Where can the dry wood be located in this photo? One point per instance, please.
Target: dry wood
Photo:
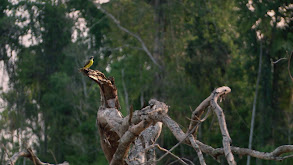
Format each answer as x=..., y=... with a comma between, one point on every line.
x=274, y=155
x=129, y=139
x=28, y=153
x=117, y=133
x=197, y=149
x=197, y=113
x=167, y=151
x=222, y=122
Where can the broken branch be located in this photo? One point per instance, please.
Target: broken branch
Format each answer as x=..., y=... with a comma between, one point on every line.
x=28, y=153
x=274, y=155
x=118, y=132
x=222, y=122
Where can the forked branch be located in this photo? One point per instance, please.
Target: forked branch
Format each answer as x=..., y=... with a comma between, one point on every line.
x=127, y=139
x=220, y=92
x=274, y=155
x=28, y=153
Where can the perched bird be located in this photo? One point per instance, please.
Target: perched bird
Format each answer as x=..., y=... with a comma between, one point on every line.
x=89, y=63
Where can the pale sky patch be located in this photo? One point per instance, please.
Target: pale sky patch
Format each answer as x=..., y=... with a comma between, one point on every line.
x=102, y=1
x=3, y=77
x=4, y=82
x=255, y=25
x=29, y=39
x=79, y=29
x=250, y=5
x=271, y=13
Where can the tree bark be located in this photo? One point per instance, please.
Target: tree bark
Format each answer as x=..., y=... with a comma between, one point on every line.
x=222, y=122
x=28, y=153
x=131, y=139
x=116, y=132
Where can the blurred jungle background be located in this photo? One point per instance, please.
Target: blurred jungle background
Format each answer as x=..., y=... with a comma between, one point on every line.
x=196, y=46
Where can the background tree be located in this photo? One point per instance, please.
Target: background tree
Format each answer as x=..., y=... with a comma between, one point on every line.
x=199, y=45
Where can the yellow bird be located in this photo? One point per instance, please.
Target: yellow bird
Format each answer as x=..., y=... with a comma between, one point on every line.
x=89, y=63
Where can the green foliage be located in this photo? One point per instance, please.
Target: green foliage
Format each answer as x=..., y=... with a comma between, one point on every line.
x=200, y=45
x=46, y=95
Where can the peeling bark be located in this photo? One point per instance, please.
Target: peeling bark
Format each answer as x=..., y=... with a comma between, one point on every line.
x=222, y=122
x=28, y=153
x=131, y=139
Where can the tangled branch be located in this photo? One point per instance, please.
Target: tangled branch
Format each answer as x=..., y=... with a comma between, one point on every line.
x=28, y=153
x=126, y=142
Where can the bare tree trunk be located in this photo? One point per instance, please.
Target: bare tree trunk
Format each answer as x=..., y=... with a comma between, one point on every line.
x=45, y=136
x=158, y=48
x=125, y=91
x=131, y=140
x=158, y=44
x=289, y=119
x=254, y=103
x=141, y=98
x=2, y=157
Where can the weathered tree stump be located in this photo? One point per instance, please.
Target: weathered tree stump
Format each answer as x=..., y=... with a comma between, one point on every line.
x=132, y=139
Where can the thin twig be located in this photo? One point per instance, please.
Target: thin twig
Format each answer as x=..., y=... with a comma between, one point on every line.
x=187, y=160
x=175, y=161
x=32, y=155
x=189, y=133
x=129, y=32
x=28, y=153
x=197, y=149
x=274, y=62
x=286, y=157
x=177, y=144
x=118, y=48
x=207, y=115
x=53, y=156
x=6, y=151
x=100, y=20
x=190, y=109
x=167, y=151
x=190, y=119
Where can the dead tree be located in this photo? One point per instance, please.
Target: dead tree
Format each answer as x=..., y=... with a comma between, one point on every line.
x=132, y=139
x=28, y=153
